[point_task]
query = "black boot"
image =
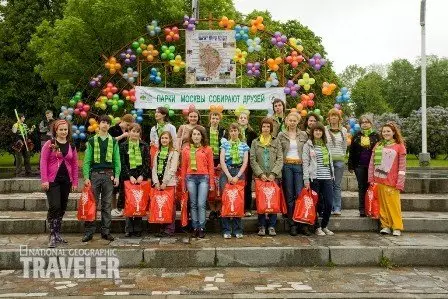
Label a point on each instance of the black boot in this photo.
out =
(293, 230)
(59, 238)
(52, 238)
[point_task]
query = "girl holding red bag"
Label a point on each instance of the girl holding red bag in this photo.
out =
(234, 158)
(318, 173)
(197, 171)
(59, 175)
(134, 157)
(266, 160)
(164, 176)
(387, 168)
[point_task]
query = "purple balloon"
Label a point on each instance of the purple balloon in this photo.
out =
(257, 65)
(257, 73)
(287, 90)
(127, 61)
(337, 106)
(293, 93)
(93, 83)
(190, 27)
(273, 40)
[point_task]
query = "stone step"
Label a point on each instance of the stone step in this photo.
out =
(342, 249)
(23, 222)
(349, 183)
(409, 201)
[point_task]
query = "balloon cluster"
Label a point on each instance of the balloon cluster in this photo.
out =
(190, 108)
(306, 100)
(150, 53)
(139, 46)
(226, 23)
(153, 29)
(217, 108)
(306, 81)
(272, 81)
(296, 44)
(128, 56)
(129, 95)
(96, 81)
(101, 103)
(130, 75)
(114, 120)
(240, 56)
(110, 90)
(343, 95)
(112, 65)
(317, 62)
(291, 88)
(253, 69)
(82, 109)
(76, 98)
(354, 127)
(273, 64)
(241, 33)
(253, 45)
(189, 23)
(168, 52)
(241, 109)
(256, 24)
(66, 113)
(93, 125)
(328, 88)
(171, 34)
(294, 59)
(154, 76)
(170, 111)
(79, 132)
(138, 115)
(177, 63)
(279, 40)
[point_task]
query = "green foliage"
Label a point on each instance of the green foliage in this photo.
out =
(385, 262)
(351, 75)
(368, 95)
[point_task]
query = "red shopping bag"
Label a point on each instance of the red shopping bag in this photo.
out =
(87, 205)
(161, 206)
(371, 202)
(283, 205)
(136, 199)
(152, 154)
(179, 187)
(184, 209)
(233, 200)
(305, 207)
(268, 197)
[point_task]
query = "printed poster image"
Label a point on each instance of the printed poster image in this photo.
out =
(209, 55)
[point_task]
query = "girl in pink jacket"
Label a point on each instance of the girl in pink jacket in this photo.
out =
(59, 175)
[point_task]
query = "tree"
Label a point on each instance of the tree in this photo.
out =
(351, 75)
(368, 95)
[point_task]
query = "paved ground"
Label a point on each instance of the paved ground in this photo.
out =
(323, 282)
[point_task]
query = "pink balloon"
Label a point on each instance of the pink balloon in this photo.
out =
(83, 114)
(77, 111)
(79, 105)
(185, 111)
(86, 107)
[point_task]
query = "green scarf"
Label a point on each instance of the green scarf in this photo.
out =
(193, 149)
(97, 152)
(367, 132)
(324, 149)
(135, 156)
(214, 143)
(378, 156)
(281, 123)
(160, 129)
(163, 154)
(234, 152)
(243, 132)
(365, 139)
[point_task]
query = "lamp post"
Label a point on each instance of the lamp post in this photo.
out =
(424, 157)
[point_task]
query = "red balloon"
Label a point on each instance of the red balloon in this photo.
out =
(133, 99)
(79, 105)
(175, 29)
(83, 114)
(77, 111)
(132, 92)
(304, 104)
(109, 84)
(310, 103)
(114, 89)
(86, 107)
(169, 38)
(191, 107)
(311, 95)
(125, 93)
(176, 37)
(167, 30)
(109, 95)
(185, 111)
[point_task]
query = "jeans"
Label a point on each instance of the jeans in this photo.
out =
(26, 158)
(338, 173)
(198, 186)
(102, 185)
(361, 173)
(57, 197)
(228, 222)
(272, 220)
(292, 185)
(325, 190)
(223, 178)
(134, 225)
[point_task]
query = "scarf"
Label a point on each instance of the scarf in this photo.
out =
(378, 156)
(234, 152)
(163, 154)
(193, 149)
(281, 123)
(331, 131)
(135, 156)
(365, 139)
(324, 150)
(265, 141)
(243, 132)
(160, 129)
(97, 152)
(214, 143)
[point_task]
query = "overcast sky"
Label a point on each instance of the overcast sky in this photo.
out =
(364, 32)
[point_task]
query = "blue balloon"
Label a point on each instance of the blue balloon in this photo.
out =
(344, 90)
(82, 128)
(352, 122)
(139, 111)
(74, 136)
(357, 127)
(139, 119)
(82, 136)
(352, 132)
(133, 111)
(158, 80)
(74, 128)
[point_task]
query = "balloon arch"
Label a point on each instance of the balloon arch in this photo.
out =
(150, 58)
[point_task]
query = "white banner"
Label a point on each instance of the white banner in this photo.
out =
(203, 98)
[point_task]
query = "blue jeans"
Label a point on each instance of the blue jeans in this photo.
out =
(325, 190)
(198, 186)
(292, 185)
(338, 173)
(228, 222)
(272, 220)
(362, 174)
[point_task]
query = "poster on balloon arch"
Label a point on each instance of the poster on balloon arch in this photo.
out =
(209, 56)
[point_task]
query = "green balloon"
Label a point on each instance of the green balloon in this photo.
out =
(163, 56)
(171, 56)
(78, 93)
(172, 49)
(317, 111)
(164, 48)
(135, 45)
(115, 97)
(141, 40)
(171, 113)
(114, 107)
(72, 102)
(166, 106)
(139, 51)
(120, 103)
(109, 102)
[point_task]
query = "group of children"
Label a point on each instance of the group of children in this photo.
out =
(202, 160)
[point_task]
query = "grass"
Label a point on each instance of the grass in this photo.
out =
(7, 160)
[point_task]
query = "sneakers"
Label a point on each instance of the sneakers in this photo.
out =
(385, 231)
(262, 231)
(87, 237)
(248, 214)
(239, 236)
(320, 232)
(271, 231)
(116, 213)
(227, 236)
(201, 233)
(336, 213)
(396, 232)
(328, 232)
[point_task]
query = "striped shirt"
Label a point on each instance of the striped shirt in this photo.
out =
(323, 172)
(336, 143)
(242, 148)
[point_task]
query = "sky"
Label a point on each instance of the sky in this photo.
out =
(364, 32)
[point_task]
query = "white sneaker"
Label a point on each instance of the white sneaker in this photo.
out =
(320, 232)
(227, 236)
(116, 213)
(396, 232)
(239, 236)
(385, 231)
(328, 232)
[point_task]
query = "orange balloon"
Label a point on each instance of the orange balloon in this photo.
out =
(299, 107)
(294, 110)
(303, 113)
